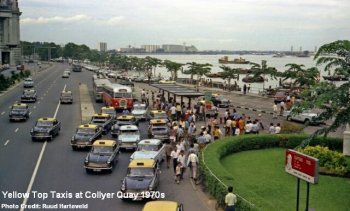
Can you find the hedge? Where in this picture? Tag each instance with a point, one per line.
(216, 178)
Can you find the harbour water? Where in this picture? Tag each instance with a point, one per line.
(278, 63)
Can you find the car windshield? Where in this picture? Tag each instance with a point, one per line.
(86, 131)
(28, 80)
(134, 172)
(159, 129)
(129, 132)
(19, 108)
(99, 119)
(147, 147)
(66, 95)
(160, 115)
(108, 111)
(124, 120)
(28, 92)
(44, 124)
(139, 107)
(102, 149)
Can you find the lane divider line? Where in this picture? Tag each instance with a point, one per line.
(2, 113)
(38, 162)
(30, 113)
(16, 130)
(6, 142)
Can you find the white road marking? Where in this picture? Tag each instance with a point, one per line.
(38, 102)
(6, 142)
(16, 130)
(2, 113)
(29, 189)
(30, 113)
(34, 107)
(9, 106)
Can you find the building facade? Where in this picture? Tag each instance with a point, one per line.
(151, 48)
(103, 46)
(10, 49)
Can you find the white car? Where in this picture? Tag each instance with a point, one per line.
(150, 149)
(65, 74)
(306, 117)
(139, 111)
(129, 136)
(28, 83)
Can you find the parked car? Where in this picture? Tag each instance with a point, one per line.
(85, 136)
(66, 97)
(220, 101)
(29, 95)
(306, 117)
(142, 175)
(19, 111)
(45, 128)
(103, 156)
(28, 83)
(140, 79)
(280, 96)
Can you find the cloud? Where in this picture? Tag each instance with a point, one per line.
(114, 21)
(56, 19)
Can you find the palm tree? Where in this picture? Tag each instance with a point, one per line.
(153, 63)
(197, 69)
(173, 68)
(229, 73)
(302, 77)
(263, 70)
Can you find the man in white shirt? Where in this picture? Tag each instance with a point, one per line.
(182, 159)
(248, 127)
(175, 154)
(192, 162)
(173, 112)
(278, 128)
(230, 200)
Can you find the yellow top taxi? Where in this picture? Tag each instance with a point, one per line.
(123, 120)
(141, 181)
(103, 120)
(45, 128)
(163, 206)
(158, 129)
(103, 155)
(109, 110)
(85, 136)
(19, 111)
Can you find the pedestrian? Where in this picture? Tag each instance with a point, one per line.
(278, 128)
(248, 89)
(283, 107)
(178, 173)
(272, 128)
(255, 127)
(173, 113)
(181, 145)
(175, 154)
(207, 136)
(244, 89)
(275, 110)
(217, 132)
(168, 149)
(181, 159)
(192, 162)
(233, 127)
(228, 127)
(230, 200)
(193, 148)
(179, 133)
(241, 126)
(202, 140)
(248, 127)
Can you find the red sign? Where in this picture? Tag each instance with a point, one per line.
(302, 166)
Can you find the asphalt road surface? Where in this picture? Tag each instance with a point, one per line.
(53, 168)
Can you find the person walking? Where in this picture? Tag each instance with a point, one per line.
(228, 126)
(192, 162)
(230, 200)
(272, 128)
(248, 89)
(278, 128)
(175, 154)
(275, 111)
(181, 159)
(178, 173)
(168, 149)
(244, 89)
(217, 132)
(241, 125)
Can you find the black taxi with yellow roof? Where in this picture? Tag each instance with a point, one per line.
(163, 206)
(45, 128)
(103, 120)
(142, 177)
(19, 111)
(123, 120)
(109, 110)
(103, 156)
(85, 136)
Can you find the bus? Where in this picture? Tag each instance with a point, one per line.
(98, 88)
(118, 96)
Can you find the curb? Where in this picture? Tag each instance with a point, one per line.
(252, 109)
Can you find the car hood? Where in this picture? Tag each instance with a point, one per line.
(82, 137)
(129, 138)
(99, 123)
(138, 112)
(18, 112)
(163, 132)
(28, 95)
(41, 129)
(98, 158)
(137, 183)
(143, 155)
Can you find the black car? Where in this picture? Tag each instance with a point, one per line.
(19, 111)
(103, 155)
(85, 136)
(29, 95)
(220, 101)
(103, 120)
(45, 128)
(77, 68)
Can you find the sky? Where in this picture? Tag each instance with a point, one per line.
(206, 24)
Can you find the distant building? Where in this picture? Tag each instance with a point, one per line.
(132, 50)
(151, 48)
(191, 49)
(173, 48)
(10, 49)
(103, 47)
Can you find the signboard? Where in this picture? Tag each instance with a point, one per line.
(207, 96)
(302, 166)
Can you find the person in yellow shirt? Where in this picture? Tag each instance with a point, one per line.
(230, 200)
(241, 125)
(217, 132)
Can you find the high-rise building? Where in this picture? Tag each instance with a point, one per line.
(151, 48)
(10, 50)
(103, 46)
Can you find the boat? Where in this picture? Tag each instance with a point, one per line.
(225, 60)
(214, 75)
(336, 78)
(252, 79)
(278, 55)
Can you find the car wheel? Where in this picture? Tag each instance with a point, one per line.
(307, 122)
(33, 139)
(289, 118)
(75, 149)
(88, 171)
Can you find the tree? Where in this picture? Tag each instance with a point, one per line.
(153, 63)
(173, 68)
(334, 101)
(302, 77)
(263, 70)
(197, 69)
(229, 73)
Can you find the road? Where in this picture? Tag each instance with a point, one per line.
(53, 167)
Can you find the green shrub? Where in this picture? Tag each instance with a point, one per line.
(290, 127)
(213, 153)
(332, 162)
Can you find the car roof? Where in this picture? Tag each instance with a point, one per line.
(19, 105)
(107, 107)
(160, 206)
(142, 163)
(157, 112)
(139, 104)
(88, 126)
(101, 115)
(150, 142)
(158, 121)
(46, 119)
(128, 127)
(126, 117)
(104, 143)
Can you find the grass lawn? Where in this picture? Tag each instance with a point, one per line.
(259, 176)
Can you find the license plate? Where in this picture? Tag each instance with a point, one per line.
(96, 170)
